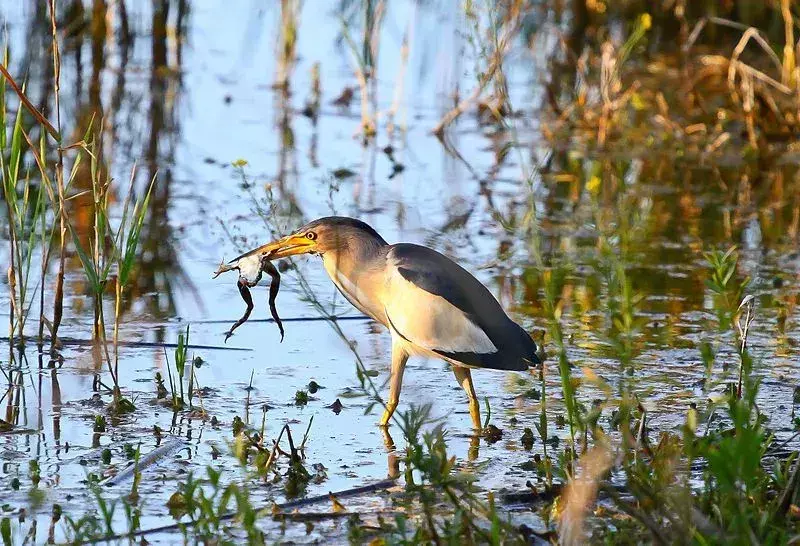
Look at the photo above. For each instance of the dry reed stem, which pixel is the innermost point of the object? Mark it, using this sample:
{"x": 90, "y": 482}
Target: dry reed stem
{"x": 58, "y": 306}
{"x": 789, "y": 61}
{"x": 367, "y": 123}
{"x": 12, "y": 300}
{"x": 30, "y": 107}
{"x": 41, "y": 165}
{"x": 399, "y": 85}
{"x": 748, "y": 103}
{"x": 609, "y": 85}
{"x": 723, "y": 62}
{"x": 374, "y": 47}
{"x": 789, "y": 83}
{"x": 734, "y": 63}
{"x": 46, "y": 182}
{"x": 756, "y": 35}
{"x": 360, "y": 69}
{"x": 375, "y": 34}
{"x": 287, "y": 42}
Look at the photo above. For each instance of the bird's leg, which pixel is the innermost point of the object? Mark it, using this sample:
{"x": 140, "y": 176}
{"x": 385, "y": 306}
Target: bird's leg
{"x": 399, "y": 358}
{"x": 464, "y": 378}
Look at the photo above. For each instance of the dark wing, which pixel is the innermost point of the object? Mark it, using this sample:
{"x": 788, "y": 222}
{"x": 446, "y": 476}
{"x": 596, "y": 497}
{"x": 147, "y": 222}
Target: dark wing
{"x": 436, "y": 274}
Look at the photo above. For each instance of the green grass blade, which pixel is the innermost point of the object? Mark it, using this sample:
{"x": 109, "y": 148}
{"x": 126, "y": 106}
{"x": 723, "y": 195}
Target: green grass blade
{"x": 132, "y": 242}
{"x": 16, "y": 147}
{"x": 3, "y": 106}
{"x": 86, "y": 261}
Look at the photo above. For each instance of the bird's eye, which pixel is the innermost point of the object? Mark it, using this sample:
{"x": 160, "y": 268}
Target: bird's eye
{"x": 311, "y": 236}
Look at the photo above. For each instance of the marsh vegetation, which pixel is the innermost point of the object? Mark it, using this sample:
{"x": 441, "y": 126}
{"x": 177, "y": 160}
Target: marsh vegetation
{"x": 623, "y": 175}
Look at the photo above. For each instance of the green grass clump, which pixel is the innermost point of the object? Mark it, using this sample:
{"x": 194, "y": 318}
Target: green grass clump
{"x": 301, "y": 398}
{"x": 179, "y": 398}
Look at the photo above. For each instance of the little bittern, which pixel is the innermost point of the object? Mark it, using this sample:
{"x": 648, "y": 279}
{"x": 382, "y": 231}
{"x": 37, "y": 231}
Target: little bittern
{"x": 431, "y": 305}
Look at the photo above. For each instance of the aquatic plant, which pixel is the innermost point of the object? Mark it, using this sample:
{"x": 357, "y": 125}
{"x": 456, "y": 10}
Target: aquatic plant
{"x": 178, "y": 400}
{"x": 110, "y": 247}
{"x": 657, "y": 491}
{"x": 738, "y": 65}
{"x": 25, "y": 206}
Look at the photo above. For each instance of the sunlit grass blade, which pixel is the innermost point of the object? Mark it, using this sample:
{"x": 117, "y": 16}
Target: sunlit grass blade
{"x": 132, "y": 240}
{"x": 86, "y": 262}
{"x": 16, "y": 147}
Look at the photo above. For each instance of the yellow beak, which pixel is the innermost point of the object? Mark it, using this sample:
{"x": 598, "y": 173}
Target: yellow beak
{"x": 282, "y": 248}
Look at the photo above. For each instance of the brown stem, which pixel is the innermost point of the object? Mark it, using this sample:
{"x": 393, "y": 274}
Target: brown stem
{"x": 45, "y": 240}
{"x": 12, "y": 299}
{"x": 58, "y": 307}
{"x": 28, "y": 104}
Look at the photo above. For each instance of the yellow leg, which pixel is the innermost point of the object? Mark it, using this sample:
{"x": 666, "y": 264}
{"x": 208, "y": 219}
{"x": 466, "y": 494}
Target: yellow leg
{"x": 399, "y": 359}
{"x": 464, "y": 378}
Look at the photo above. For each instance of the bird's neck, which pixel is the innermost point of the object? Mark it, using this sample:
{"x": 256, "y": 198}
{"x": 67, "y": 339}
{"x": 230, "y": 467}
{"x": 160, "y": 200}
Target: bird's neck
{"x": 360, "y": 278}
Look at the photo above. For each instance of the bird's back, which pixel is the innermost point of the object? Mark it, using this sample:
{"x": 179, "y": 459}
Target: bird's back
{"x": 438, "y": 275}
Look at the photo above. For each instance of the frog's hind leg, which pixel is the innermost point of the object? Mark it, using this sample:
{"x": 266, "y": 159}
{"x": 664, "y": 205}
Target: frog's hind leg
{"x": 244, "y": 291}
{"x": 275, "y": 285}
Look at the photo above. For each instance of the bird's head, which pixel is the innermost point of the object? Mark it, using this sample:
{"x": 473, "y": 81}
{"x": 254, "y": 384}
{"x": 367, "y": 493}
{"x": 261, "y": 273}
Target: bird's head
{"x": 333, "y": 234}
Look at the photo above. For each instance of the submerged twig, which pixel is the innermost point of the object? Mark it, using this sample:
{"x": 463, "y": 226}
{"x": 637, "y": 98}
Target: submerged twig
{"x": 29, "y": 105}
{"x": 371, "y": 488}
{"x": 67, "y": 341}
{"x": 146, "y": 461}
{"x": 324, "y": 318}
{"x": 322, "y": 516}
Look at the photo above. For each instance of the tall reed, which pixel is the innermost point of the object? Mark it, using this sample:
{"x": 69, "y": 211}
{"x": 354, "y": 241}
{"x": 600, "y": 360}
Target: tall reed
{"x": 58, "y": 305}
{"x": 24, "y": 212}
{"x": 109, "y": 247}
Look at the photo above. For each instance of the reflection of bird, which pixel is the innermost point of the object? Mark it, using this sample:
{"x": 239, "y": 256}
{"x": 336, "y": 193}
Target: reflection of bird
{"x": 431, "y": 305}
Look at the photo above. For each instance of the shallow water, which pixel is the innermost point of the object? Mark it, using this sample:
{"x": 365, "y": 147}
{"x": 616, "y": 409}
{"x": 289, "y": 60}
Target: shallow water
{"x": 201, "y": 96}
